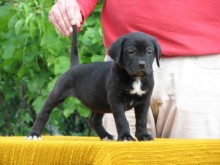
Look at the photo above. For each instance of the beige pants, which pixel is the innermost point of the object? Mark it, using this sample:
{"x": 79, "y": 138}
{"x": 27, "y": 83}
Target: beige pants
{"x": 185, "y": 102}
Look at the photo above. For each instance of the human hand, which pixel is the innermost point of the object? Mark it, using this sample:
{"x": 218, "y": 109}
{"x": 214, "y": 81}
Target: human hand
{"x": 64, "y": 14}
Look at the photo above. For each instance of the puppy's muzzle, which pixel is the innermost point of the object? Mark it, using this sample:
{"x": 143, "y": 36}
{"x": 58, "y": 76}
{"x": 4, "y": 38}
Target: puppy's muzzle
{"x": 142, "y": 69}
{"x": 142, "y": 64}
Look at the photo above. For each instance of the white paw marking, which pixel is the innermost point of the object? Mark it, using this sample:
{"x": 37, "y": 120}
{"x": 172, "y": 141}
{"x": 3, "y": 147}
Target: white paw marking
{"x": 137, "y": 87}
{"x": 33, "y": 138}
{"x": 107, "y": 139}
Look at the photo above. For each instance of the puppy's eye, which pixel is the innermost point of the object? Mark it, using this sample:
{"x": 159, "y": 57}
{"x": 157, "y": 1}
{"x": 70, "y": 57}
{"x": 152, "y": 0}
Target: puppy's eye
{"x": 131, "y": 52}
{"x": 149, "y": 51}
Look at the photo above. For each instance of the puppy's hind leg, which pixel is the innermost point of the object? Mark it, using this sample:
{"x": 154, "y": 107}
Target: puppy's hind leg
{"x": 61, "y": 91}
{"x": 96, "y": 123}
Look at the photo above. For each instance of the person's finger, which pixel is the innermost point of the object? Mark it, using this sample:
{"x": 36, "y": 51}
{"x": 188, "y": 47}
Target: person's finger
{"x": 54, "y": 22}
{"x": 73, "y": 12}
{"x": 79, "y": 19}
{"x": 59, "y": 19}
{"x": 63, "y": 12}
{"x": 78, "y": 15}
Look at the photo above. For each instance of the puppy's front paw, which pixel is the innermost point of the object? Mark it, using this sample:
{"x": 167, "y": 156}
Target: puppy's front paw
{"x": 126, "y": 138}
{"x": 145, "y": 138}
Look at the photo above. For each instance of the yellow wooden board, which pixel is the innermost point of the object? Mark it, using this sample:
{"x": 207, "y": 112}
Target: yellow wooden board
{"x": 63, "y": 150}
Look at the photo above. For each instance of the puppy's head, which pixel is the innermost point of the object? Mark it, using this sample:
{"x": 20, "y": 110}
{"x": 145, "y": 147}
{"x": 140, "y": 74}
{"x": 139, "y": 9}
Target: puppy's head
{"x": 135, "y": 52}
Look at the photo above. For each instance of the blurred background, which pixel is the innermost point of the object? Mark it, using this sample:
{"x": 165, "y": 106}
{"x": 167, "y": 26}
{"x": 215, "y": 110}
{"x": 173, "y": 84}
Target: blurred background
{"x": 32, "y": 56}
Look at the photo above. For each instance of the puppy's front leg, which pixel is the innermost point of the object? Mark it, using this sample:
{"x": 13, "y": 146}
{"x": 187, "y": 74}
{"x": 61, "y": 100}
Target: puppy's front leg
{"x": 121, "y": 122}
{"x": 141, "y": 112}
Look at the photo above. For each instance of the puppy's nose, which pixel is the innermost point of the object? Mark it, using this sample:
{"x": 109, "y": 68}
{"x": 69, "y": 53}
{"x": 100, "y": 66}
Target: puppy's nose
{"x": 142, "y": 64}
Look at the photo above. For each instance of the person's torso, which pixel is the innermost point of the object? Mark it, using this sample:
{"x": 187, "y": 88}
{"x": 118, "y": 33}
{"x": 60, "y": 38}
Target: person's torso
{"x": 181, "y": 27}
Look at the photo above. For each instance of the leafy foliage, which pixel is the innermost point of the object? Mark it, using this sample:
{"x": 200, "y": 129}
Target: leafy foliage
{"x": 32, "y": 56}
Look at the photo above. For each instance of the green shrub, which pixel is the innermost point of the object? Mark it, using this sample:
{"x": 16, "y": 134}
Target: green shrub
{"x": 32, "y": 56}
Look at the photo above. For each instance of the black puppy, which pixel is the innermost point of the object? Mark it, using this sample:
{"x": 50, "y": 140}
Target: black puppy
{"x": 109, "y": 87}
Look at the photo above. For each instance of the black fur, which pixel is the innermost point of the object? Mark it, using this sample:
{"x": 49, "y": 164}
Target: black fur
{"x": 106, "y": 87}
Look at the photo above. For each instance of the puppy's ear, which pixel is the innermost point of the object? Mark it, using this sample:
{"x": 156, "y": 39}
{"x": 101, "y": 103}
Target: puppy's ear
{"x": 115, "y": 51}
{"x": 157, "y": 52}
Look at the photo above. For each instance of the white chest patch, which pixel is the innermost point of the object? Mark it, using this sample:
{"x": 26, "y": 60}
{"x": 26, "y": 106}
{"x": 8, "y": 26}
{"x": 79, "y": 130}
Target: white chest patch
{"x": 137, "y": 88}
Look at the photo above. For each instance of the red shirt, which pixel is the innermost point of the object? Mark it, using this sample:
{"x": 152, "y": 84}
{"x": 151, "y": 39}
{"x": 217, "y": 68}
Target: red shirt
{"x": 182, "y": 27}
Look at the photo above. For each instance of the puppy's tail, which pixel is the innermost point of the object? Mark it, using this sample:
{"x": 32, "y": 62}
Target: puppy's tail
{"x": 74, "y": 50}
